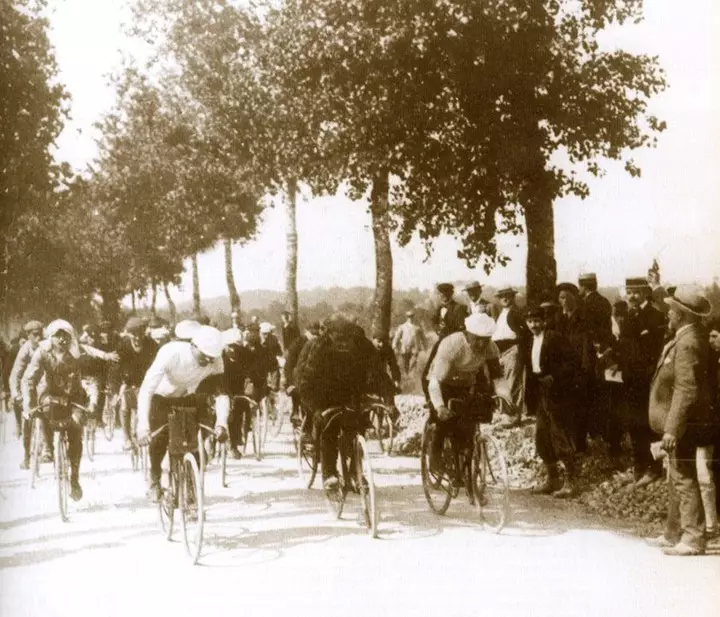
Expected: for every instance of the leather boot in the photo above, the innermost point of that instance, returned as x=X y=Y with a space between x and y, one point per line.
x=552 y=481
x=569 y=487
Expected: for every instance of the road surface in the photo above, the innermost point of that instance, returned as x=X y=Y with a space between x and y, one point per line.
x=272 y=549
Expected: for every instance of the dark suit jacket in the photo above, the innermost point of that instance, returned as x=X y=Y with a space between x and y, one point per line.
x=680 y=388
x=558 y=359
x=598 y=317
x=645 y=331
x=454 y=320
x=575 y=329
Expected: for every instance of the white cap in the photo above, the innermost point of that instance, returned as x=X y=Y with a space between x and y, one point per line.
x=186 y=329
x=232 y=336
x=209 y=341
x=265 y=327
x=59 y=325
x=480 y=324
x=158 y=334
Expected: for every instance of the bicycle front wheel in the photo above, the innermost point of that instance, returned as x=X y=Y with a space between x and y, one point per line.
x=90 y=440
x=366 y=485
x=166 y=505
x=62 y=475
x=109 y=418
x=437 y=483
x=259 y=425
x=275 y=419
x=36 y=438
x=490 y=483
x=192 y=515
x=382 y=427
x=222 y=453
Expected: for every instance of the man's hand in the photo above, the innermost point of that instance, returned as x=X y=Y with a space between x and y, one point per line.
x=143 y=436
x=444 y=413
x=113 y=356
x=669 y=442
x=221 y=434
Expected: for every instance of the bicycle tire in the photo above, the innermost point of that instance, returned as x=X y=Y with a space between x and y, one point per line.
x=438 y=490
x=490 y=483
x=222 y=449
x=363 y=469
x=308 y=459
x=144 y=461
x=276 y=420
x=61 y=474
x=109 y=417
x=166 y=505
x=191 y=483
x=335 y=500
x=36 y=436
x=257 y=431
x=89 y=431
x=382 y=427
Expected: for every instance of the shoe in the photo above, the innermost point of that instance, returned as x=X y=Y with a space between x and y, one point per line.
x=234 y=453
x=647 y=478
x=683 y=550
x=660 y=542
x=47 y=457
x=154 y=493
x=75 y=491
x=712 y=533
x=25 y=464
x=331 y=484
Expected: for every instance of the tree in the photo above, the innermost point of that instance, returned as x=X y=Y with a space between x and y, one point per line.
x=32 y=110
x=230 y=278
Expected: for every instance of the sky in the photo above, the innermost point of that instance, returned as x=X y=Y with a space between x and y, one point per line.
x=671 y=212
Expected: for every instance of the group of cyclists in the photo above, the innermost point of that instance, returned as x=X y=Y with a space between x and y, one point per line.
x=148 y=369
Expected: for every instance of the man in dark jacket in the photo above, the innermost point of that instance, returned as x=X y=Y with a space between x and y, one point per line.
x=645 y=335
x=552 y=365
x=450 y=315
x=292 y=355
x=712 y=438
x=679 y=409
x=290 y=331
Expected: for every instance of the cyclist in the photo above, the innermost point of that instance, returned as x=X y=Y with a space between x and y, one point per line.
x=269 y=340
x=33 y=331
x=333 y=371
x=53 y=376
x=292 y=356
x=467 y=367
x=137 y=353
x=172 y=380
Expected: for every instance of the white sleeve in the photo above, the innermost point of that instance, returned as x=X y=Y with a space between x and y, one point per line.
x=150 y=383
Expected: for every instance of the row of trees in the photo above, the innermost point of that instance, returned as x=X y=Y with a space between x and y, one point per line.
x=469 y=118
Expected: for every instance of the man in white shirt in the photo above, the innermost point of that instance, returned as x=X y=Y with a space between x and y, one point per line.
x=172 y=381
x=408 y=342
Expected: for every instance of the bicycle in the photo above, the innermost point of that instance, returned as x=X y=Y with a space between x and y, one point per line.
x=381 y=422
x=218 y=451
x=186 y=478
x=481 y=467
x=356 y=470
x=305 y=450
x=109 y=414
x=59 y=418
x=258 y=424
x=275 y=417
x=89 y=431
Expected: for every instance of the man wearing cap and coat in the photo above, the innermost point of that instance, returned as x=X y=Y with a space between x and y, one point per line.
x=408 y=341
x=552 y=366
x=450 y=315
x=679 y=408
x=644 y=336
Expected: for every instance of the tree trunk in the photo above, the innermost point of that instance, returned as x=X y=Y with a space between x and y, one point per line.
x=541 y=267
x=291 y=259
x=382 y=300
x=230 y=278
x=171 y=304
x=196 y=285
x=153 y=299
x=110 y=306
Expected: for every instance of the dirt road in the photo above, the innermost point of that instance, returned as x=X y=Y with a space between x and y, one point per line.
x=272 y=549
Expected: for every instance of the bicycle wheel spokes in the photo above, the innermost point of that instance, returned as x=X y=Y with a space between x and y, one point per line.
x=366 y=484
x=307 y=458
x=490 y=481
x=192 y=514
x=62 y=476
x=437 y=485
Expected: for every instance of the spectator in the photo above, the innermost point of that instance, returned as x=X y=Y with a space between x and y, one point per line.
x=408 y=342
x=509 y=331
x=477 y=303
x=450 y=315
x=708 y=477
x=678 y=410
x=290 y=330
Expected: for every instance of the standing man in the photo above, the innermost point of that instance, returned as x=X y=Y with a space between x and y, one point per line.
x=290 y=331
x=33 y=331
x=552 y=366
x=572 y=325
x=408 y=342
x=644 y=334
x=474 y=293
x=450 y=315
x=679 y=407
x=509 y=331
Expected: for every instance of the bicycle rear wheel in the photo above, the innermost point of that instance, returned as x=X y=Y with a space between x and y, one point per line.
x=62 y=475
x=308 y=458
x=192 y=514
x=437 y=487
x=335 y=499
x=275 y=419
x=382 y=427
x=259 y=428
x=109 y=417
x=490 y=483
x=222 y=454
x=166 y=505
x=36 y=438
x=366 y=485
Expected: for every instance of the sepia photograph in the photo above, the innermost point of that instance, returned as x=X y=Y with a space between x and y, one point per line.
x=360 y=308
